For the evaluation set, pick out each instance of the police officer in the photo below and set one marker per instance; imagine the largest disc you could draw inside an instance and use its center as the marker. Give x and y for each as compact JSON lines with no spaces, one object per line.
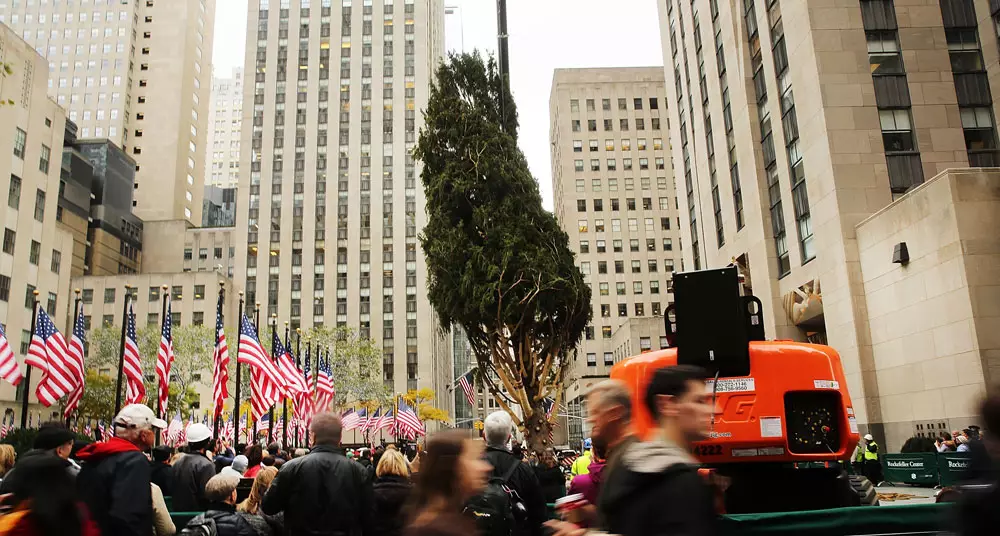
{"x":582,"y":463}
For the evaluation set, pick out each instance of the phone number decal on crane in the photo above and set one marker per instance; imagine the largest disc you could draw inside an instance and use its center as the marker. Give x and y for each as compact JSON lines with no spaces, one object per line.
{"x":732,"y":385}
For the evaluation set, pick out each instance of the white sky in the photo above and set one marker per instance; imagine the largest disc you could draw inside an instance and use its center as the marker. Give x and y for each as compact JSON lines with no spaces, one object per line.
{"x":544,"y":34}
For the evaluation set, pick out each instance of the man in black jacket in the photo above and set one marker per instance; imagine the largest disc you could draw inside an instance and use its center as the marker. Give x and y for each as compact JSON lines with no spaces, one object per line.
{"x":114,"y":481}
{"x":323,"y":492}
{"x":497,"y":431}
{"x":657,"y":489}
{"x":221,"y":494}
{"x":192,"y":471}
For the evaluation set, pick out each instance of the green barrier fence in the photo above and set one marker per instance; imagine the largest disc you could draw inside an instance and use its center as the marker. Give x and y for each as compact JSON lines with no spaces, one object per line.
{"x":925,"y":468}
{"x":181,"y":519}
{"x":919,"y":468}
{"x":865,"y":520}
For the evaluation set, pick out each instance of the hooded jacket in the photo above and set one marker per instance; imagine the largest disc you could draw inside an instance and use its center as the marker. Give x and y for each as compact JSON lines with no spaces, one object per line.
{"x":589,"y":485}
{"x":656,"y":490}
{"x":114,"y":484}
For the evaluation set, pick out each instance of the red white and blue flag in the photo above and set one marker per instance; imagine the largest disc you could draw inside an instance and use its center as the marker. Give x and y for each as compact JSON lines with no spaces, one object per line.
{"x":10,"y":370}
{"x":135,"y":392}
{"x":351,"y":419}
{"x":407,"y":422}
{"x":75,"y":358}
{"x":48,"y":352}
{"x":325,"y":391}
{"x":165,"y":359}
{"x":220,"y":362}
{"x":466,"y":382}
{"x":292,"y":379}
{"x":266,"y":386}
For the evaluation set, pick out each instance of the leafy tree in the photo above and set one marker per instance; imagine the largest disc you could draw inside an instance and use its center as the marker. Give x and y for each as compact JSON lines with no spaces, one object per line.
{"x":498,"y":264}
{"x":356,"y":364}
{"x":98,"y":401}
{"x":422,"y":400}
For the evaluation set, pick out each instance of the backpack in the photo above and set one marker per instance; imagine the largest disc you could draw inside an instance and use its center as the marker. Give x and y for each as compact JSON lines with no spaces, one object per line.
{"x":199,"y":526}
{"x":499,"y":509}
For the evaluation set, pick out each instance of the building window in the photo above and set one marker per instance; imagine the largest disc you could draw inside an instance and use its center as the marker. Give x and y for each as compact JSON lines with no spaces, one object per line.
{"x":199,"y":292}
{"x":605,"y":332}
{"x":198,"y":318}
{"x":20,"y":139}
{"x":9,"y":237}
{"x":56,"y":261}
{"x":154,"y":294}
{"x":897,"y":130}
{"x":188,"y":254}
{"x":43,"y":159}
{"x":963,"y":49}
{"x":591,"y":359}
{"x":977,"y":124}
{"x":39,"y":205}
{"x":609,"y":359}
{"x":4,"y":288}
{"x":622,"y":309}
{"x":645,"y":344}
{"x":34,"y":252}
{"x":14,"y":192}
{"x":177,"y":293}
{"x":109,"y":295}
{"x":883,"y":52}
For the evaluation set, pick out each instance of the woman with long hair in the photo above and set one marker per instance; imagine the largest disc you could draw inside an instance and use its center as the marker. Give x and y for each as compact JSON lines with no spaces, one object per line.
{"x":43,"y":501}
{"x":251,"y":505}
{"x":7,"y":457}
{"x":255,"y":456}
{"x":452,"y":470}
{"x":391,"y":491}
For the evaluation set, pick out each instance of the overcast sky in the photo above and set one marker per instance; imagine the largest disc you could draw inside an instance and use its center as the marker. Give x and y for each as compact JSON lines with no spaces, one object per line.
{"x":544,"y":35}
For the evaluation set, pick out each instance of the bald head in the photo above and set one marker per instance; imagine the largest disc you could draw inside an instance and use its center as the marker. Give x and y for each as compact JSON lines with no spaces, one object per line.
{"x":326,"y":429}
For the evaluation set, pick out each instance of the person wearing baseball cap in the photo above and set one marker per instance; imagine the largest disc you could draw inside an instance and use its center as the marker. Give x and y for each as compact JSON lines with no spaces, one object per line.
{"x":114,"y":481}
{"x":193,"y":471}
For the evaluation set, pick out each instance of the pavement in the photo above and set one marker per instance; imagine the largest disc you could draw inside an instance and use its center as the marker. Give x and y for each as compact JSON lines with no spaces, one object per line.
{"x":904,"y":494}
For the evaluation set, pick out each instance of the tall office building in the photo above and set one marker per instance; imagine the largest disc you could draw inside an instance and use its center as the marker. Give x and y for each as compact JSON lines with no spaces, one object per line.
{"x":225,"y":111}
{"x":36,"y":253}
{"x":612,"y":179}
{"x":824,"y":115}
{"x":137,"y":73}
{"x":346,"y":194}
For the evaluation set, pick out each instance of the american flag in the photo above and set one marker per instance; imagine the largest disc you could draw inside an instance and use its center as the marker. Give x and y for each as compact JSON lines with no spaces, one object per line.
{"x":136,"y":391}
{"x":466,"y":382}
{"x":165,"y":359}
{"x":351,"y":419}
{"x":325,"y":391}
{"x":407,"y":422}
{"x":75,"y":354}
{"x":305,"y":408}
{"x":48,"y":352}
{"x":549,"y":405}
{"x":88,"y":430}
{"x":220,"y":374}
{"x":102,"y":430}
{"x":266,"y":387}
{"x":175,"y":430}
{"x":385,"y":421}
{"x":369,"y":423}
{"x":293,"y":381}
{"x":6,"y":427}
{"x":279,"y":431}
{"x":10,"y":370}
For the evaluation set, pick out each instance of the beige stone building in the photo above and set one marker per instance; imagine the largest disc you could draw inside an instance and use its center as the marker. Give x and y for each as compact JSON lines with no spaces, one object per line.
{"x":826,"y":113}
{"x":329,"y":203}
{"x":612,"y":180}
{"x":36,"y":253}
{"x":225,"y":123}
{"x":139,"y":74}
{"x":934,"y":316}
{"x":176,"y":246}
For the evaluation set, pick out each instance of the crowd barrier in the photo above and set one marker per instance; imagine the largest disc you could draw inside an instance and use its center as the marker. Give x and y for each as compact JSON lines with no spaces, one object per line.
{"x":924,"y":468}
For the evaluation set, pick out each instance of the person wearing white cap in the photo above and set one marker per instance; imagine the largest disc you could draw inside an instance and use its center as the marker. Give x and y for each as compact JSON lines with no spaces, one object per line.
{"x":115,"y":479}
{"x":192,"y":471}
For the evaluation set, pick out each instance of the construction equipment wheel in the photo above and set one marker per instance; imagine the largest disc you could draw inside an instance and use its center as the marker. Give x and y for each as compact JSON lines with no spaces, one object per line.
{"x":864,"y":489}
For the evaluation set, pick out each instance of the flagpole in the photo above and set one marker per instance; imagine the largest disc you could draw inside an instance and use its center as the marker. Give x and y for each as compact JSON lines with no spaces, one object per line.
{"x":256,"y":323}
{"x":284,"y":404}
{"x":312,"y":393}
{"x":163,"y":318}
{"x":298,"y":367}
{"x":121,"y":352}
{"x":236,"y":401}
{"x":217,"y":422}
{"x":72,"y":324}
{"x":270,"y":412}
{"x":27,"y":367}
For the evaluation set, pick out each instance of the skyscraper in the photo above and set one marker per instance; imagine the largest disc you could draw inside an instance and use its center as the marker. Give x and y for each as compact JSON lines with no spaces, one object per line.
{"x":222,"y":162}
{"x":138,"y":74}
{"x":612,"y":180}
{"x":826,"y":114}
{"x":346,"y":193}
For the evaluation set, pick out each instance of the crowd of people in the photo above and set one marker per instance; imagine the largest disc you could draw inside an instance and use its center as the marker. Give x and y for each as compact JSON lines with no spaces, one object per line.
{"x":458,"y":484}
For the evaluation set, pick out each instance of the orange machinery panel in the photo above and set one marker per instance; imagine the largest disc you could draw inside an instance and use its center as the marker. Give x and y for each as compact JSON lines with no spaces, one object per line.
{"x":749,"y":421}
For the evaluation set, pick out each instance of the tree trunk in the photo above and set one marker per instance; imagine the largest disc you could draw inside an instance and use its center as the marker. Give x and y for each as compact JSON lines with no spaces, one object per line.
{"x":536,"y":431}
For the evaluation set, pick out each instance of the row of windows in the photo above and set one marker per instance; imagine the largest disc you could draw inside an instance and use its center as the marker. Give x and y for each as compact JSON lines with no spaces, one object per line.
{"x":203,"y":253}
{"x":637,"y":288}
{"x":626,"y":145}
{"x":649,"y":224}
{"x":29,"y":296}
{"x":647,"y":204}
{"x":616,"y":245}
{"x":612,"y":164}
{"x":597,"y":185}
{"x":623,"y":124}
{"x":153,"y":295}
{"x":636,"y":265}
{"x":645,"y":345}
{"x":656,"y":309}
{"x":574,"y":104}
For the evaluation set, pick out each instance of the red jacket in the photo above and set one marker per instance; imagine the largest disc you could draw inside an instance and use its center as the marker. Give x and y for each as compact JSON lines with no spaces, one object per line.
{"x":20,"y":523}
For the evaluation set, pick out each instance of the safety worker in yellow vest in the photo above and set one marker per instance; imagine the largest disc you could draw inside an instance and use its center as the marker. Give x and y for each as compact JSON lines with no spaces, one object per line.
{"x":872,"y":465}
{"x":582,"y":463}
